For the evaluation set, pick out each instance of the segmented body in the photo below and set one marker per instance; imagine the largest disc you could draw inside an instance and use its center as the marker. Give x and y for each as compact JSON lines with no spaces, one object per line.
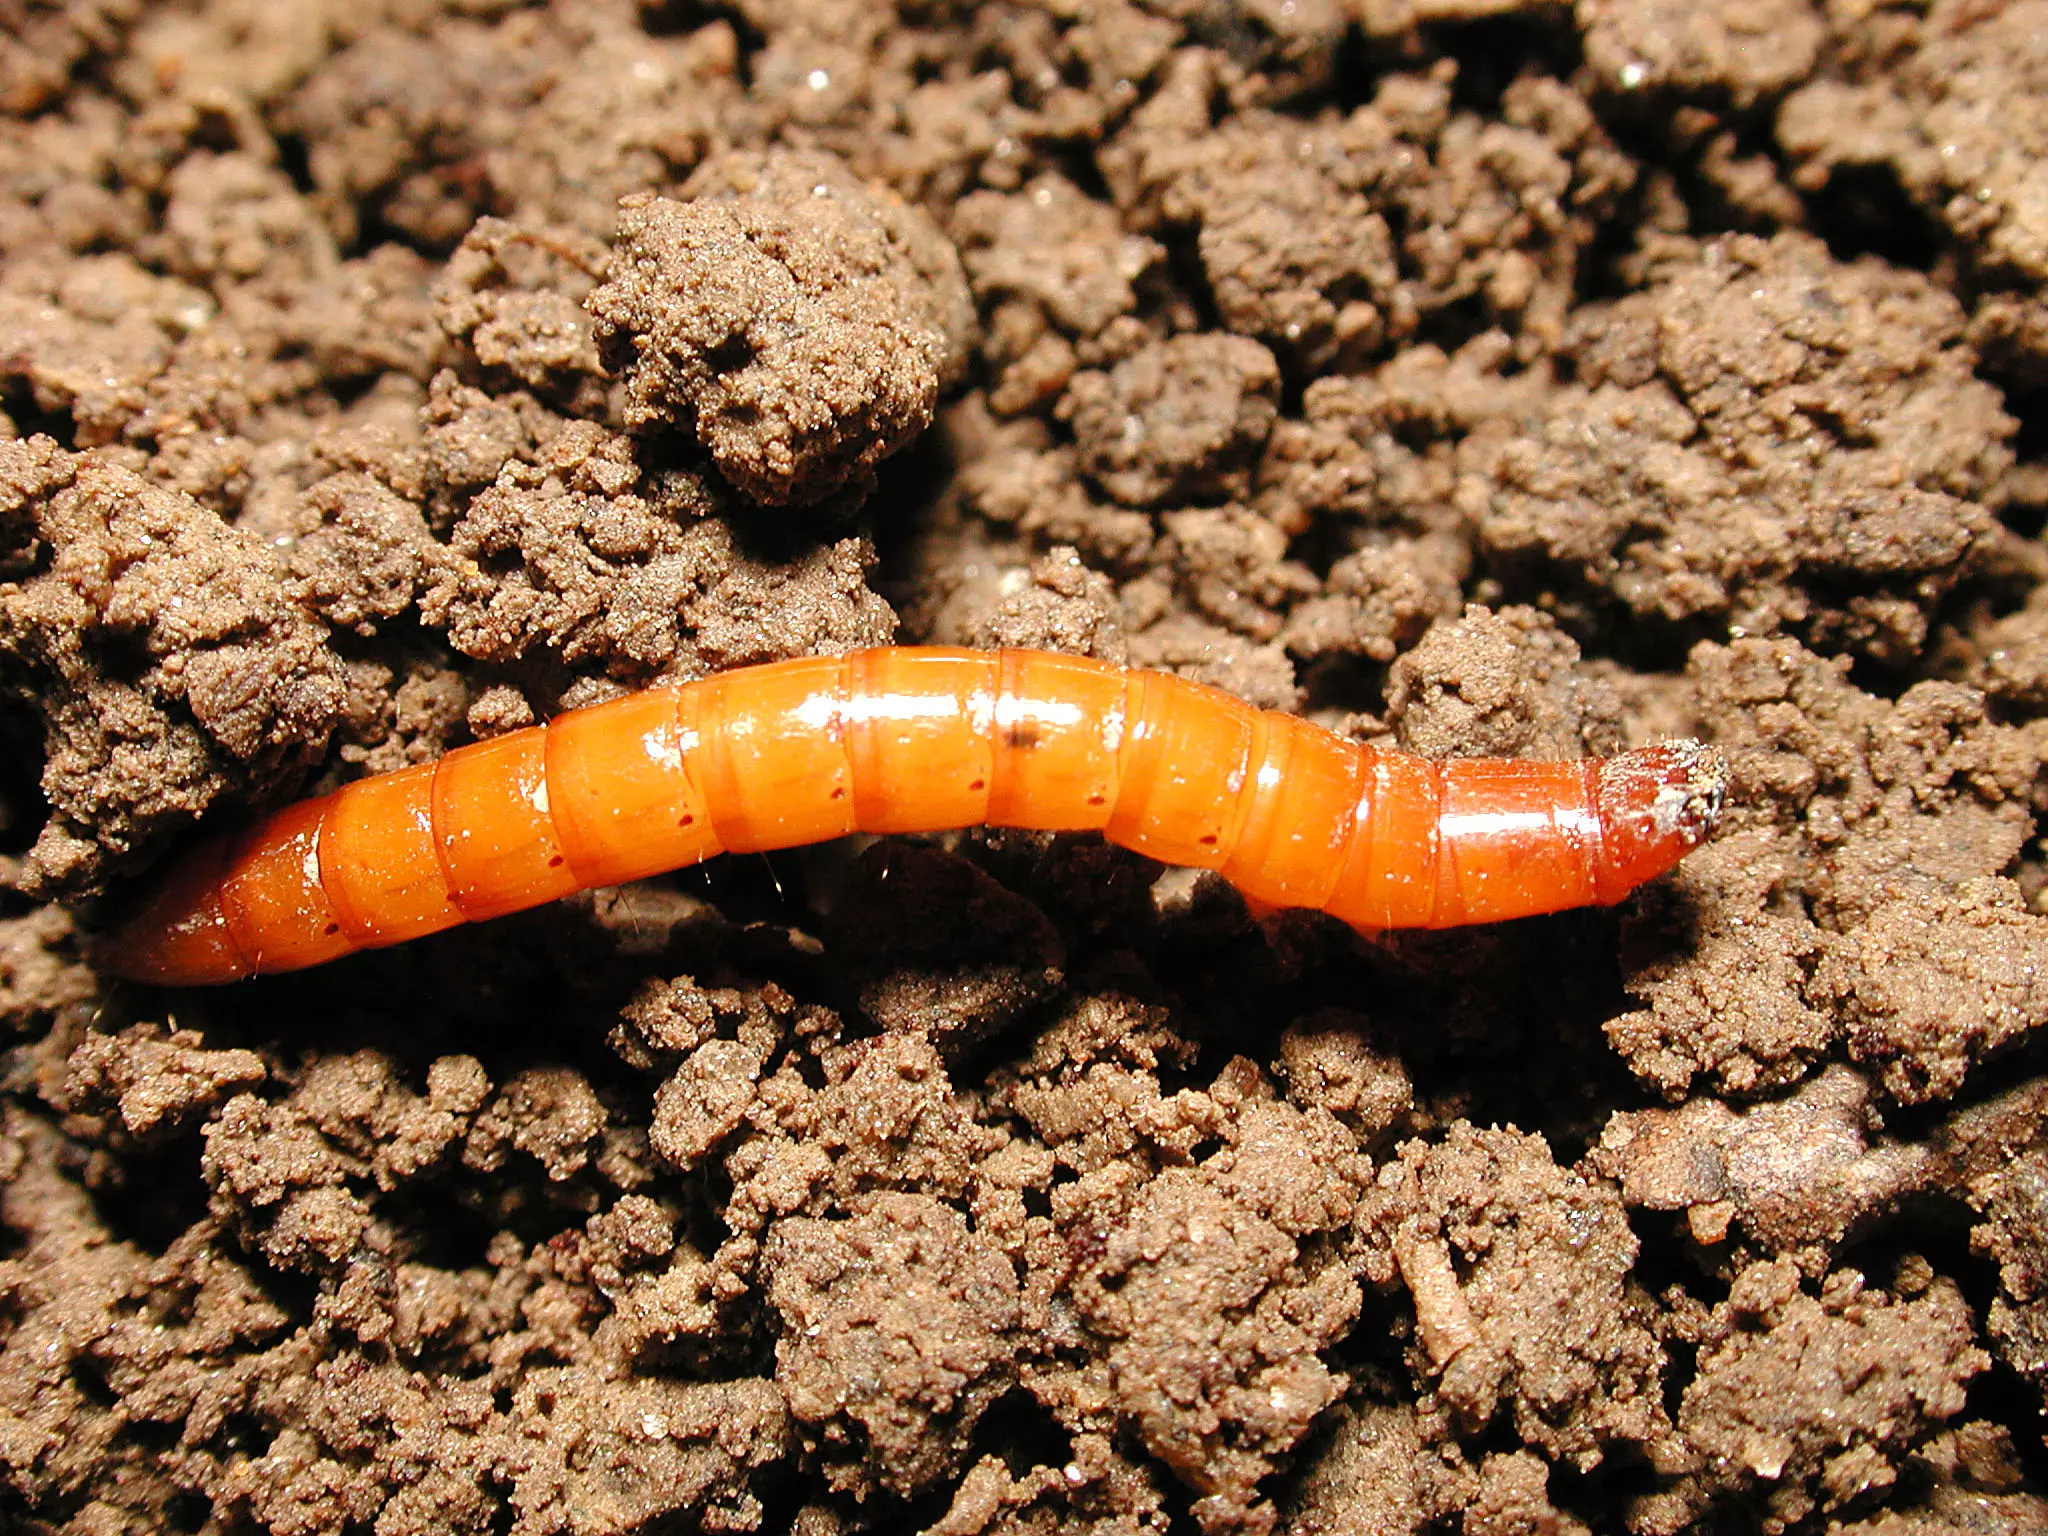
{"x":910,"y":739}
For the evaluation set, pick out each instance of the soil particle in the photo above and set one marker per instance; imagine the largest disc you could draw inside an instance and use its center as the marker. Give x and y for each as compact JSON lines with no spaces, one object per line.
{"x":1513,"y":1495}
{"x":1064,"y":607}
{"x":1895,"y":821}
{"x":192,"y":1338}
{"x":559,"y":557}
{"x":236,"y":221}
{"x":1062,"y":277}
{"x":43,"y":46}
{"x":1951,"y":1509}
{"x":1214,"y":1355}
{"x":1518,"y":1270}
{"x":1797,"y":1175}
{"x":512,"y":296}
{"x":887,"y":1118}
{"x":1290,"y":232}
{"x":1039,"y":494}
{"x":1743,"y":52}
{"x":1888,"y":1364}
{"x":90,"y":340}
{"x":548,"y":1113}
{"x":897,"y":1335}
{"x":368,"y":558}
{"x":1215,"y":1286}
{"x":1999,"y":1155}
{"x":704,"y":1101}
{"x":1368,"y":1478}
{"x":1375,"y":448}
{"x":227,"y":682}
{"x":1097,"y":1492}
{"x":1376,"y":1476}
{"x":552,"y":115}
{"x":38,"y":977}
{"x":154,"y":1079}
{"x":1501,"y":685}
{"x":1792,"y":427}
{"x":799,"y":322}
{"x":1177,"y":422}
{"x":1942,"y":105}
{"x":1926,"y":992}
{"x":1331,"y":1064}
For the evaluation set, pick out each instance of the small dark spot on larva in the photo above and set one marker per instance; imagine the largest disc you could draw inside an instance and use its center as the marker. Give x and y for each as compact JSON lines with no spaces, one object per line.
{"x":331,"y":930}
{"x":688,"y":821}
{"x":1207,"y":839}
{"x":976,"y":787}
{"x":1023,"y":735}
{"x":1097,"y":799}
{"x":555,"y":862}
{"x":838,"y":792}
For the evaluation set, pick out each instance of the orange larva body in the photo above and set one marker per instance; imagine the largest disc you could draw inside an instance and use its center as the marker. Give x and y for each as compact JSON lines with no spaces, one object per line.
{"x":908,"y":739}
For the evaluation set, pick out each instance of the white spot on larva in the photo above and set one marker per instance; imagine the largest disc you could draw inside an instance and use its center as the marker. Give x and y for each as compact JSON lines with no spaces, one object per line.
{"x":660,"y":747}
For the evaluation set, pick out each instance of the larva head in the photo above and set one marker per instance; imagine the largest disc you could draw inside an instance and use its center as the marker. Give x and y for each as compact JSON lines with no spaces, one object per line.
{"x":1656,"y":804}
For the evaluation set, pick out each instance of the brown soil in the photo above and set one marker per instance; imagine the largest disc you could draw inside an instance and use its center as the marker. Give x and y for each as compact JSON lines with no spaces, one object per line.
{"x":1487,"y":376}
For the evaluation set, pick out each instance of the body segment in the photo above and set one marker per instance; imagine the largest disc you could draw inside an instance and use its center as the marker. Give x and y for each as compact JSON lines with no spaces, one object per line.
{"x":916,"y":739}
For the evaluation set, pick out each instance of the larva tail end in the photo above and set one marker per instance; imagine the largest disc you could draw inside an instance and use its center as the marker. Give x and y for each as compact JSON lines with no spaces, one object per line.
{"x":179,"y":938}
{"x":1656,"y":805}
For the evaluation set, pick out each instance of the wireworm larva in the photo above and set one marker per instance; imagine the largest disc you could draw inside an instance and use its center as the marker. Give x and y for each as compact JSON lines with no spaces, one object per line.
{"x":917,"y":739}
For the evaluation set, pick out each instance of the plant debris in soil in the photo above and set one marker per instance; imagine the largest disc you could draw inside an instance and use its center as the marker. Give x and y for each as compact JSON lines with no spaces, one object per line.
{"x":1474,"y":376}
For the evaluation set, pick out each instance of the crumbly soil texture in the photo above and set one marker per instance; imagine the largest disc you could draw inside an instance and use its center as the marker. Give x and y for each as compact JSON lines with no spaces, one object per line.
{"x":1501,"y":377}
